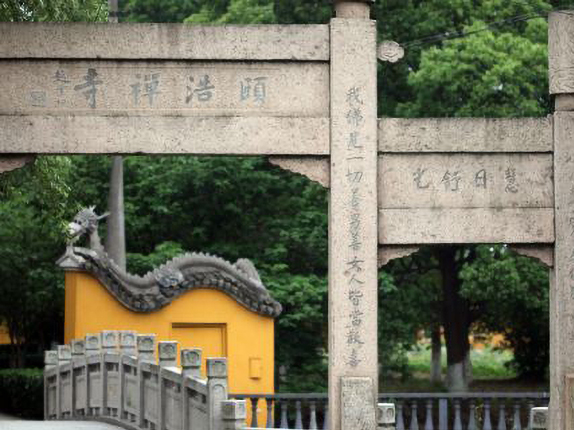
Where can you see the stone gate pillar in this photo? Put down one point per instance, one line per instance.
(353, 367)
(561, 64)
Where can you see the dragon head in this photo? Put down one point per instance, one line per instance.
(85, 222)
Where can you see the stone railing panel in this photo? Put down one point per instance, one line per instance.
(113, 376)
(428, 411)
(130, 388)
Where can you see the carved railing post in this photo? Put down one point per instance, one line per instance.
(110, 372)
(128, 348)
(191, 362)
(93, 344)
(128, 344)
(79, 378)
(167, 353)
(386, 416)
(146, 354)
(234, 414)
(50, 398)
(78, 347)
(539, 418)
(64, 360)
(216, 390)
(146, 347)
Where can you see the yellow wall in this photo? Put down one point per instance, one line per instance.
(4, 335)
(201, 318)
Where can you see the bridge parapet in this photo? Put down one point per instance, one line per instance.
(114, 377)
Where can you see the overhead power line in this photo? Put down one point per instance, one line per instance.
(458, 34)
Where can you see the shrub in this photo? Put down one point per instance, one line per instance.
(21, 392)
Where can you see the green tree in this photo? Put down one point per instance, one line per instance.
(54, 10)
(34, 207)
(511, 294)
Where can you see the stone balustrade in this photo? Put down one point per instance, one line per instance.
(114, 377)
(428, 411)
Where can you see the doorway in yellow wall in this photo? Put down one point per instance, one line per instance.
(211, 338)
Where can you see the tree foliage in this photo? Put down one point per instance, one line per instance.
(54, 10)
(33, 204)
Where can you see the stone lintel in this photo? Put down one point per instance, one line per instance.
(164, 41)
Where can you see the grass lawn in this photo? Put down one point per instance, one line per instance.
(490, 373)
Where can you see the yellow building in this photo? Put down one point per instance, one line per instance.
(4, 334)
(199, 300)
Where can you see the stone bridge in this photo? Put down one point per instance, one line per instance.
(114, 378)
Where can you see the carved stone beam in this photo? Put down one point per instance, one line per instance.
(542, 253)
(388, 253)
(9, 162)
(314, 168)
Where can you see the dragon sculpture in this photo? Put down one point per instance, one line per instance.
(161, 286)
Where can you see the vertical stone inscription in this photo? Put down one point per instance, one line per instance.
(356, 414)
(562, 289)
(353, 217)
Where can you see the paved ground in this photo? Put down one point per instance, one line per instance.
(4, 417)
(55, 425)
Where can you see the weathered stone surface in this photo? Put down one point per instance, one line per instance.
(167, 353)
(539, 418)
(164, 41)
(110, 339)
(353, 216)
(357, 404)
(564, 102)
(466, 198)
(164, 88)
(315, 168)
(44, 134)
(465, 135)
(466, 181)
(562, 283)
(466, 225)
(388, 253)
(353, 9)
(12, 162)
(390, 51)
(560, 48)
(543, 253)
(386, 415)
(78, 347)
(57, 425)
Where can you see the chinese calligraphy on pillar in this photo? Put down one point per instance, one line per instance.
(354, 268)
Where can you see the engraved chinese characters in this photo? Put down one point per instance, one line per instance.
(354, 275)
(465, 180)
(466, 197)
(353, 216)
(172, 87)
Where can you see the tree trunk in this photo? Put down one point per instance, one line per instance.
(116, 236)
(436, 354)
(468, 368)
(456, 321)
